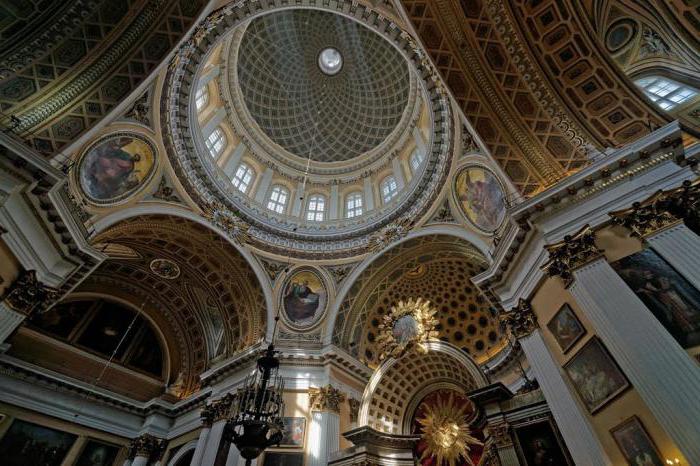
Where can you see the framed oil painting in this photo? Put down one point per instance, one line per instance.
(97, 454)
(115, 166)
(481, 197)
(294, 431)
(667, 294)
(566, 328)
(595, 375)
(26, 443)
(278, 458)
(538, 444)
(635, 444)
(304, 298)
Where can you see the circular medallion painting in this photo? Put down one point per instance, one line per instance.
(481, 198)
(115, 166)
(305, 298)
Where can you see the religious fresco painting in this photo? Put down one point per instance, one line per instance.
(667, 294)
(481, 198)
(97, 454)
(539, 444)
(294, 431)
(115, 167)
(635, 444)
(566, 328)
(275, 458)
(305, 298)
(595, 375)
(26, 443)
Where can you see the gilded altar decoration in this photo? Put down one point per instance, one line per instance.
(521, 321)
(446, 434)
(571, 253)
(116, 166)
(165, 268)
(221, 217)
(481, 198)
(647, 217)
(409, 325)
(326, 398)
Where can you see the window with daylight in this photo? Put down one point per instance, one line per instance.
(216, 142)
(389, 189)
(416, 160)
(353, 205)
(278, 199)
(316, 208)
(243, 177)
(666, 93)
(201, 97)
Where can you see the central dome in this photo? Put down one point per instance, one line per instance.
(321, 85)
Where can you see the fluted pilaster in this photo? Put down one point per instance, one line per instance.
(680, 247)
(324, 432)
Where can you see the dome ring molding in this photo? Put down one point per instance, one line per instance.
(206, 186)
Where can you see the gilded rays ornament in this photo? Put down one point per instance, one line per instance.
(446, 433)
(410, 324)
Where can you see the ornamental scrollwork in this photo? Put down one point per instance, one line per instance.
(220, 216)
(27, 292)
(326, 399)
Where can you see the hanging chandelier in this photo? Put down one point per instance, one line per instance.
(255, 416)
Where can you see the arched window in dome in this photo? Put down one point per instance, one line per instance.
(665, 92)
(353, 205)
(416, 160)
(243, 177)
(216, 142)
(277, 201)
(389, 189)
(201, 97)
(105, 328)
(316, 208)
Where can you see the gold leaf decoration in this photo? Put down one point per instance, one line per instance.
(409, 325)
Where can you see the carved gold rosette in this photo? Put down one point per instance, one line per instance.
(409, 325)
(326, 399)
(521, 320)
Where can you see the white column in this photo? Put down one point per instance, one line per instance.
(234, 456)
(9, 321)
(324, 437)
(579, 436)
(213, 441)
(263, 186)
(660, 370)
(201, 445)
(508, 456)
(298, 204)
(398, 173)
(140, 461)
(127, 462)
(235, 160)
(334, 203)
(680, 247)
(369, 195)
(213, 122)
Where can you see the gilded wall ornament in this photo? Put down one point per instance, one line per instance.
(501, 435)
(147, 446)
(354, 409)
(220, 216)
(327, 399)
(646, 217)
(165, 268)
(389, 234)
(521, 320)
(27, 292)
(571, 253)
(409, 325)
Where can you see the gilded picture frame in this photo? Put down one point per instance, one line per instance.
(632, 438)
(566, 328)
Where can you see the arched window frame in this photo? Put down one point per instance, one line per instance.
(243, 177)
(316, 208)
(353, 204)
(665, 92)
(201, 97)
(216, 142)
(278, 199)
(416, 160)
(389, 188)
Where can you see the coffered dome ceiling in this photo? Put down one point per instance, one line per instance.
(321, 85)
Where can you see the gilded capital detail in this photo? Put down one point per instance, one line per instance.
(647, 217)
(501, 435)
(327, 399)
(521, 320)
(147, 446)
(572, 252)
(27, 292)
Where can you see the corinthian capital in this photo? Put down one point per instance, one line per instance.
(571, 253)
(27, 292)
(147, 446)
(521, 320)
(647, 217)
(326, 398)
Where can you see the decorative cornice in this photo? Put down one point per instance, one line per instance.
(571, 253)
(147, 446)
(521, 320)
(647, 217)
(27, 292)
(326, 399)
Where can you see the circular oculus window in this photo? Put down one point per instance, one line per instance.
(330, 60)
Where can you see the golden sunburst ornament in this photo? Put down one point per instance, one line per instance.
(410, 324)
(446, 432)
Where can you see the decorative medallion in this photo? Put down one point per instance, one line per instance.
(304, 298)
(165, 268)
(409, 325)
(115, 166)
(481, 197)
(620, 34)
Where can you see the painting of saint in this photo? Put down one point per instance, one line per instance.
(667, 294)
(294, 428)
(539, 445)
(115, 167)
(566, 328)
(26, 443)
(635, 444)
(97, 454)
(304, 298)
(595, 376)
(481, 198)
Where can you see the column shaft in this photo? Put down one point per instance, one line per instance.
(201, 445)
(508, 456)
(9, 321)
(680, 247)
(574, 426)
(234, 456)
(661, 371)
(140, 461)
(324, 437)
(213, 441)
